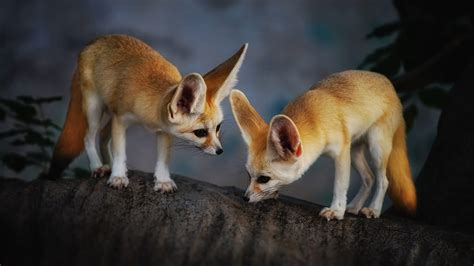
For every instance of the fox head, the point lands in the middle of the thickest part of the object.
(274, 151)
(194, 111)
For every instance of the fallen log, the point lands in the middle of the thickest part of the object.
(84, 222)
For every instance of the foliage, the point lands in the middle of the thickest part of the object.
(430, 42)
(28, 133)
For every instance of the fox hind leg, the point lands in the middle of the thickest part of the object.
(361, 165)
(380, 146)
(105, 138)
(118, 178)
(94, 108)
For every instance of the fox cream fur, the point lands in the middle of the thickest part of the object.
(342, 116)
(119, 81)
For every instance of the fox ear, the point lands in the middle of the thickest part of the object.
(223, 78)
(188, 99)
(283, 138)
(249, 121)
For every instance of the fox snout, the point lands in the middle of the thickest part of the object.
(213, 150)
(251, 196)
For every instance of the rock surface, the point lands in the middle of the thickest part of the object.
(84, 222)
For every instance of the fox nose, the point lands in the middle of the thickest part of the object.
(245, 198)
(219, 151)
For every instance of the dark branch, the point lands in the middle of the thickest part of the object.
(85, 222)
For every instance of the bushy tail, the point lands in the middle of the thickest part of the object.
(71, 140)
(401, 188)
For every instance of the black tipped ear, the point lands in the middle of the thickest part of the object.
(189, 98)
(221, 80)
(284, 138)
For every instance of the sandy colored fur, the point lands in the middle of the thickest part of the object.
(70, 143)
(401, 189)
(331, 116)
(126, 79)
(129, 76)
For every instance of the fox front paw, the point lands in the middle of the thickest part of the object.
(165, 186)
(331, 214)
(370, 213)
(100, 172)
(118, 181)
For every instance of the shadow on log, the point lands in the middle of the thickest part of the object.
(84, 222)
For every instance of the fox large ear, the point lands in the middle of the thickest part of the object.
(284, 139)
(249, 121)
(188, 99)
(223, 78)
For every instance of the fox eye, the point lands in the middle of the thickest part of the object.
(218, 127)
(200, 133)
(263, 179)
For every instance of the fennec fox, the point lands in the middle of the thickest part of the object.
(122, 80)
(341, 116)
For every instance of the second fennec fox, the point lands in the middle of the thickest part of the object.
(342, 116)
(127, 80)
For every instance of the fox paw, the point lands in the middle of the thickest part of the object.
(165, 186)
(100, 172)
(331, 214)
(118, 181)
(370, 213)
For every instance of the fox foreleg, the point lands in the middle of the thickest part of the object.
(163, 181)
(341, 184)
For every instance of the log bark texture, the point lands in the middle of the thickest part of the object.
(84, 222)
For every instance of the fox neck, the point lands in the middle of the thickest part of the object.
(313, 143)
(163, 110)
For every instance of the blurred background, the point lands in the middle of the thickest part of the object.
(292, 45)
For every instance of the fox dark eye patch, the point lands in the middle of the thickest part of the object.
(263, 179)
(200, 133)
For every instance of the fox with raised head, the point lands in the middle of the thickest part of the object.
(121, 80)
(342, 116)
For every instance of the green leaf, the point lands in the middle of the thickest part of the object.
(377, 55)
(30, 100)
(23, 112)
(11, 133)
(50, 124)
(384, 30)
(26, 99)
(15, 161)
(49, 133)
(433, 97)
(410, 114)
(389, 66)
(33, 137)
(18, 142)
(38, 156)
(48, 99)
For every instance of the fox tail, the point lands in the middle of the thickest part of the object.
(401, 188)
(71, 140)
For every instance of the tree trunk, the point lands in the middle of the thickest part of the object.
(446, 183)
(84, 222)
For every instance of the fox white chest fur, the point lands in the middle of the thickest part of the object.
(341, 116)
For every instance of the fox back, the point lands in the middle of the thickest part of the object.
(347, 109)
(127, 79)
